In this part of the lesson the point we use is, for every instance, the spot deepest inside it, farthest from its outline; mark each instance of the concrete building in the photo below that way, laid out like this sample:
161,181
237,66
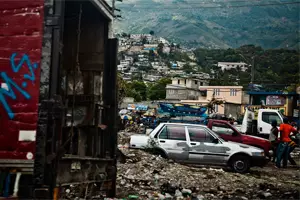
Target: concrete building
233,96
164,41
232,65
283,101
172,72
151,78
123,67
125,62
181,92
189,82
183,88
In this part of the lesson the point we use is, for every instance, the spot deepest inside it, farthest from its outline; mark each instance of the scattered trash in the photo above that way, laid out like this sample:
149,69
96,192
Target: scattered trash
149,176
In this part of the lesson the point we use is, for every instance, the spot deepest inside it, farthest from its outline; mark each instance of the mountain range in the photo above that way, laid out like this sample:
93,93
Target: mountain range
215,23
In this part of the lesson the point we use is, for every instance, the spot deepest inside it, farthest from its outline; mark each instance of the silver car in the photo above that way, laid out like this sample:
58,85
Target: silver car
197,144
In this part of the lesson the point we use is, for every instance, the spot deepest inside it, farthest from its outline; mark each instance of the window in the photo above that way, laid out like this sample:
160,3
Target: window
221,128
178,81
217,92
171,91
233,92
184,81
173,133
201,83
216,108
199,134
268,117
181,92
196,82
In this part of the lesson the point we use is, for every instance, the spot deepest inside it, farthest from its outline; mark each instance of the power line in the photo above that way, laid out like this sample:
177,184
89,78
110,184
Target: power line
221,7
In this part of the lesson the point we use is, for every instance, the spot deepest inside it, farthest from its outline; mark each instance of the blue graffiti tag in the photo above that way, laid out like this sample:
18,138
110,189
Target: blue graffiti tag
9,92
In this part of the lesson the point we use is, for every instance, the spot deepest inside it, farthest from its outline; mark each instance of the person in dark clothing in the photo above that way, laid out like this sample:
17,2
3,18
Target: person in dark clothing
273,138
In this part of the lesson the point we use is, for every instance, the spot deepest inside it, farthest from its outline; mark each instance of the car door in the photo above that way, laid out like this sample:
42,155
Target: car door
204,148
226,132
173,140
264,125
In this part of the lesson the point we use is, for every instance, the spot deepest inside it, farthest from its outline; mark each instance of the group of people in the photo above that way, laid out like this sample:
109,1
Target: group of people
282,144
137,120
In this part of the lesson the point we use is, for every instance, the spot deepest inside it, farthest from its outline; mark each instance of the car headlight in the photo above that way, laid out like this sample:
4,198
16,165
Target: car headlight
258,153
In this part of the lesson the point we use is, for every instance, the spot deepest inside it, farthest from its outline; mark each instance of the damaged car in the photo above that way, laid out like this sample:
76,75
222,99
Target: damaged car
197,144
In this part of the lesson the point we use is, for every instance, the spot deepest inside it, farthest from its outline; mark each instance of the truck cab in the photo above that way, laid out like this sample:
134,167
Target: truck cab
259,122
265,118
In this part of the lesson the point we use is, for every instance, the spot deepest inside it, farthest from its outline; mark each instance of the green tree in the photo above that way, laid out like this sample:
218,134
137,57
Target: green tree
271,67
157,91
188,69
160,49
122,87
151,32
144,40
137,90
151,55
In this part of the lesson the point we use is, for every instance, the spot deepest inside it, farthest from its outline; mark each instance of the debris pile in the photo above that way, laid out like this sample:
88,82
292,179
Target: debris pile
124,138
147,176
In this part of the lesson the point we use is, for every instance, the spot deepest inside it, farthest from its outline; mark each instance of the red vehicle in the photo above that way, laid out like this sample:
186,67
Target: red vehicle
228,133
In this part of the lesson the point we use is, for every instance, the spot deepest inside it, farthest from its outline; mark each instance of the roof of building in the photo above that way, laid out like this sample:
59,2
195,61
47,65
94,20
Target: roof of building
173,86
191,78
104,8
178,87
220,87
232,63
270,93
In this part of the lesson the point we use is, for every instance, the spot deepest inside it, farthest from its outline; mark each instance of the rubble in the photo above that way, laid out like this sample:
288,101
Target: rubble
152,177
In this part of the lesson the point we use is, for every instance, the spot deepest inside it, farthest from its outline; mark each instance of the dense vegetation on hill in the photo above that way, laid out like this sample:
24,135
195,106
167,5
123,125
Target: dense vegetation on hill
199,23
276,68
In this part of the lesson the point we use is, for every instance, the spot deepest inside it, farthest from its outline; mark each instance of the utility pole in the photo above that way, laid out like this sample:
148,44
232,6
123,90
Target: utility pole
113,6
252,70
115,9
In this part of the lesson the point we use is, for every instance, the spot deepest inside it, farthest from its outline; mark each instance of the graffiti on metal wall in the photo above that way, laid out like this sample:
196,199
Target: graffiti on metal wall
11,88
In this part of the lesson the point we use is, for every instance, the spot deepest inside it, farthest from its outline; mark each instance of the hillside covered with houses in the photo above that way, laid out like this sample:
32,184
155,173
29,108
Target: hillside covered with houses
154,69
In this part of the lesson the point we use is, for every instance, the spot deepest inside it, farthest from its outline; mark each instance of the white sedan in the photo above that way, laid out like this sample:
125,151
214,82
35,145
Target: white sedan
197,144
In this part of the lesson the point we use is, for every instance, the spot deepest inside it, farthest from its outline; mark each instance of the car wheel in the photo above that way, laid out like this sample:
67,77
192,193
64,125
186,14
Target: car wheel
161,153
240,164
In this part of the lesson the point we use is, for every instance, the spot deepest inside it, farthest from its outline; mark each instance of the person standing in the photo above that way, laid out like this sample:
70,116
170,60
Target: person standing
273,138
283,149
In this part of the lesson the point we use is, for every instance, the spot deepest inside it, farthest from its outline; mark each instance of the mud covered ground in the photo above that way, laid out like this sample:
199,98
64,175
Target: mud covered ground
146,176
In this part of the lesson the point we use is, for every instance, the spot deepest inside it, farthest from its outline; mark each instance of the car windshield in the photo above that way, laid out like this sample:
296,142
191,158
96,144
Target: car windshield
282,116
215,135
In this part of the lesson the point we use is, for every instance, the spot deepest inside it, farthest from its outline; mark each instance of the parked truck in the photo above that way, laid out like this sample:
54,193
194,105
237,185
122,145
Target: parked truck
259,122
58,104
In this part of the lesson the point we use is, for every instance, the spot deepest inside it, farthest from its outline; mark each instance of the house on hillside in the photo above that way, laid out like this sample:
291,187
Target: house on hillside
232,65
183,88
